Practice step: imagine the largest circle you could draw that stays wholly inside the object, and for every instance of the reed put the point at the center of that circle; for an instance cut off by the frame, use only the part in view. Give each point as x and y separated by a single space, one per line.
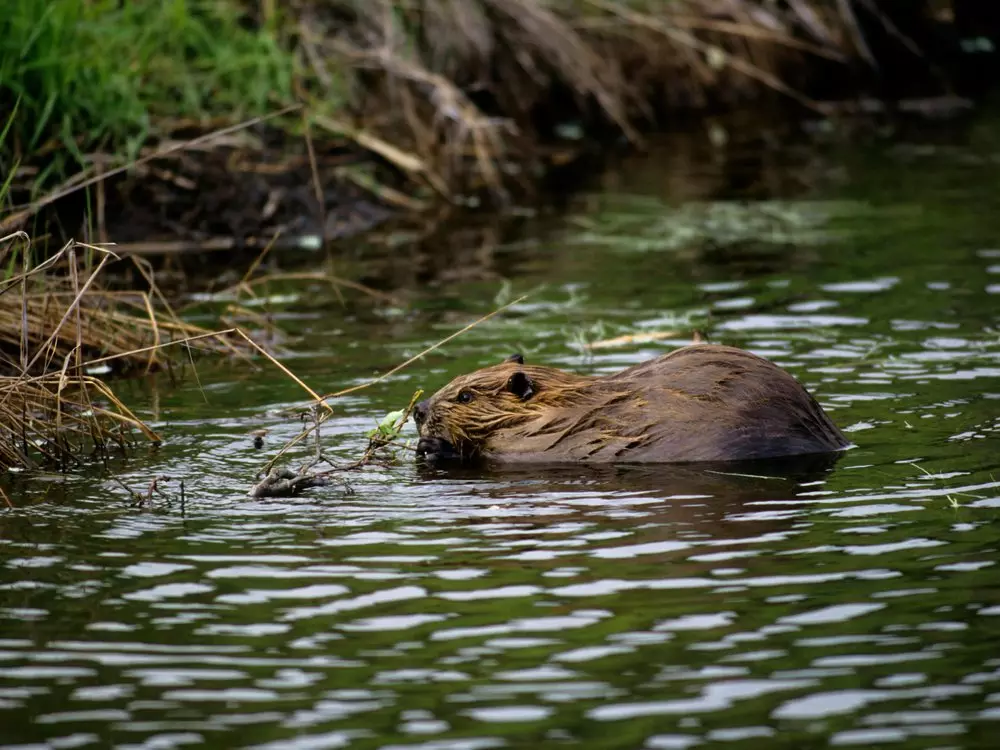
57 311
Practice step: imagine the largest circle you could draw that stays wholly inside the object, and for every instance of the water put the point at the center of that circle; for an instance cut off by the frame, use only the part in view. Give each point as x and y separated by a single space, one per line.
599 608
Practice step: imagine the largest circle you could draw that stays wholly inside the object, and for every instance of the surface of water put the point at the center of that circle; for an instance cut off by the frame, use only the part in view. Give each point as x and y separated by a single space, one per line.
610 608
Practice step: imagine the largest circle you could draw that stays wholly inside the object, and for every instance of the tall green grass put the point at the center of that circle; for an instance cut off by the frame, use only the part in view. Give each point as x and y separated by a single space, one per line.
93 76
7 174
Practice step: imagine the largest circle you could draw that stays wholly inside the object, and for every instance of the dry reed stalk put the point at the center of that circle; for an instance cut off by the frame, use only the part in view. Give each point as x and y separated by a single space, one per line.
59 417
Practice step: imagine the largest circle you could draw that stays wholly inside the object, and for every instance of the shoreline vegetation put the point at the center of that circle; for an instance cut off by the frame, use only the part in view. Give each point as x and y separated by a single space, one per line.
179 128
400 104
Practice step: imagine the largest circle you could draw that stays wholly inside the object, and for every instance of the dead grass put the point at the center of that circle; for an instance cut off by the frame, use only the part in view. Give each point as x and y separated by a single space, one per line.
456 93
58 315
59 418
60 328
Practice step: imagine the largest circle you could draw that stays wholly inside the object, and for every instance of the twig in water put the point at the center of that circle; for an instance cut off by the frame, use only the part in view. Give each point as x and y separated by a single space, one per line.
136 498
283 482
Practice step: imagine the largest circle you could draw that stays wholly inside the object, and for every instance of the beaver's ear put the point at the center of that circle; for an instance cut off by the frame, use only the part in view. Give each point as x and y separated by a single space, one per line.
520 385
517 357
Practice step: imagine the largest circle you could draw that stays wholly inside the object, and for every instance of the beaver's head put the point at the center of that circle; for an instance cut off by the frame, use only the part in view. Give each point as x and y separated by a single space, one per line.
457 422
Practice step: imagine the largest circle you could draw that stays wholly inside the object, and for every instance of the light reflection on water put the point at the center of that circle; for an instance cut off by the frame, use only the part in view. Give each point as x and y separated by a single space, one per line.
612 608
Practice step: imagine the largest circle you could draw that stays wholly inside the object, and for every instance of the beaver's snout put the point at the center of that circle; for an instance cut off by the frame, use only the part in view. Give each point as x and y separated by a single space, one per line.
430 449
435 450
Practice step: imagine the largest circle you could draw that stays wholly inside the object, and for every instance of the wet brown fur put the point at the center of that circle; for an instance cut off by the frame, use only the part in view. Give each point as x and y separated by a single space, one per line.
700 403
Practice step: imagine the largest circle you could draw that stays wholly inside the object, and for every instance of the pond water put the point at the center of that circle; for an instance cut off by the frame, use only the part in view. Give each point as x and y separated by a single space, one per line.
669 608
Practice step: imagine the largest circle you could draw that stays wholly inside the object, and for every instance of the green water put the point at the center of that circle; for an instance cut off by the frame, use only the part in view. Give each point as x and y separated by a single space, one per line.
654 608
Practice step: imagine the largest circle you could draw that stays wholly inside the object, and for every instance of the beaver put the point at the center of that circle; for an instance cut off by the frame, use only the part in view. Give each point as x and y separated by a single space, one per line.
700 403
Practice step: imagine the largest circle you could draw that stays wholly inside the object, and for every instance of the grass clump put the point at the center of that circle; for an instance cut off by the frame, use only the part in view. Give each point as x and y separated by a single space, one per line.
60 328
104 76
51 410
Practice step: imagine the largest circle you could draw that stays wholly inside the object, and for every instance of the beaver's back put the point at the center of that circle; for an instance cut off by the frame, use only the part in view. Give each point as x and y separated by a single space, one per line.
699 403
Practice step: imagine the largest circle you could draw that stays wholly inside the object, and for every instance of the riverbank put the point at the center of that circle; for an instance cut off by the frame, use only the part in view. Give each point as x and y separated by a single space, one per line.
390 106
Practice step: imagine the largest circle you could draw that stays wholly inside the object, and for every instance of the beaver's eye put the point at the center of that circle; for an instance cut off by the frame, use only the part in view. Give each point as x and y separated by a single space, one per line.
464 397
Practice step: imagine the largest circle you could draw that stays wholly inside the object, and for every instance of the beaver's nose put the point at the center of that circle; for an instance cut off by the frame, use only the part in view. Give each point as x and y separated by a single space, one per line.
420 412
